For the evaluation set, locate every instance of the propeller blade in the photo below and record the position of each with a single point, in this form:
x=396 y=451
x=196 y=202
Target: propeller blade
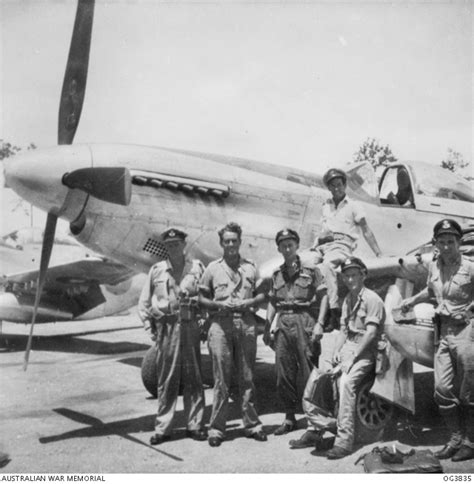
x=112 y=185
x=75 y=77
x=46 y=249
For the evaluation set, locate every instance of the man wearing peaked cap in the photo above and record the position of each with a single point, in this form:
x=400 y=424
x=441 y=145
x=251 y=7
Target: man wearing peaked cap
x=341 y=221
x=447 y=226
x=451 y=283
x=297 y=289
x=334 y=173
x=287 y=234
x=353 y=262
x=362 y=320
x=167 y=307
x=173 y=234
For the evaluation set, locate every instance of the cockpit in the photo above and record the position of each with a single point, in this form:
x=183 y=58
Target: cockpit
x=414 y=185
x=401 y=184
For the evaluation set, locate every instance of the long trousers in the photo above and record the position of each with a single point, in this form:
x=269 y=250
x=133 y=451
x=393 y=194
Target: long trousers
x=454 y=381
x=317 y=406
x=330 y=256
x=293 y=356
x=232 y=344
x=178 y=362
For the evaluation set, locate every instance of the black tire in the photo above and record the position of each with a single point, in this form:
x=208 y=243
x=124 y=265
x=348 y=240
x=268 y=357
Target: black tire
x=373 y=415
x=149 y=376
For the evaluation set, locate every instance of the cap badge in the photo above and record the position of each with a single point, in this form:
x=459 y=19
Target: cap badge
x=172 y=233
x=446 y=224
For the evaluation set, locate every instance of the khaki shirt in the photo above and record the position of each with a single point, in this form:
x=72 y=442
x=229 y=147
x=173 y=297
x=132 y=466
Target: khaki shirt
x=453 y=294
x=368 y=309
x=221 y=283
x=344 y=219
x=160 y=294
x=300 y=289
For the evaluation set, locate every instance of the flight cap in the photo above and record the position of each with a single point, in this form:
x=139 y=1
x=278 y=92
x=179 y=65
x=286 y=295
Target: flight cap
x=447 y=226
x=351 y=262
x=287 y=234
x=334 y=173
x=173 y=234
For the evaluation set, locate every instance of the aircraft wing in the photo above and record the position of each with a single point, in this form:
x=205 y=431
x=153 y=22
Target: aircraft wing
x=91 y=270
x=70 y=289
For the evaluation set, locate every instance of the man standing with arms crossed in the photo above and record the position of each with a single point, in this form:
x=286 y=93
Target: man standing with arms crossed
x=169 y=316
x=227 y=290
x=340 y=222
x=451 y=282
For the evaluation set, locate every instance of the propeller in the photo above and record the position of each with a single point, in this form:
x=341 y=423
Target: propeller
x=75 y=77
x=48 y=240
x=72 y=99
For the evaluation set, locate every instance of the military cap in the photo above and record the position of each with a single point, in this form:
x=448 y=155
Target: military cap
x=287 y=234
x=334 y=173
x=447 y=226
x=173 y=234
x=351 y=262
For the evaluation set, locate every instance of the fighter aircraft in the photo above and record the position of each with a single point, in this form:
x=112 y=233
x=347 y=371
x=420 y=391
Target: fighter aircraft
x=79 y=284
x=118 y=199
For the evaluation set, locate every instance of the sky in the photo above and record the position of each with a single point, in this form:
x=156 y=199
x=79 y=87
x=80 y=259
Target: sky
x=293 y=83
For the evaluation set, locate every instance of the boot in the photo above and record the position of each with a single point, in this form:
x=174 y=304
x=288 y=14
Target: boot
x=452 y=417
x=469 y=424
x=466 y=451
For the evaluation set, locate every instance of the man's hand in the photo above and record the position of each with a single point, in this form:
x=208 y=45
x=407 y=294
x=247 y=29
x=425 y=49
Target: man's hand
x=317 y=333
x=268 y=336
x=151 y=333
x=336 y=358
x=469 y=312
x=241 y=305
x=204 y=325
x=224 y=305
x=325 y=237
x=346 y=365
x=406 y=305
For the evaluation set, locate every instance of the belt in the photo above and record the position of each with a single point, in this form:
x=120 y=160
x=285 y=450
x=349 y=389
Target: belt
x=234 y=314
x=169 y=317
x=292 y=309
x=341 y=236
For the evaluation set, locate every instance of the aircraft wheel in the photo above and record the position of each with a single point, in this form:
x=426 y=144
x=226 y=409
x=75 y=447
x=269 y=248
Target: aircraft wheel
x=373 y=415
x=149 y=376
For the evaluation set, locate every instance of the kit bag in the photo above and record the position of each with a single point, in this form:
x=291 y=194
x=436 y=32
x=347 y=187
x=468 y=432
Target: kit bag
x=392 y=461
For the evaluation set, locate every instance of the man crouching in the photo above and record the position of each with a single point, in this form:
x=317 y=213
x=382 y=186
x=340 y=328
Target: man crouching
x=362 y=319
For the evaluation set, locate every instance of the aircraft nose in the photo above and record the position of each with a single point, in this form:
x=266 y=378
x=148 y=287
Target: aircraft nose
x=36 y=175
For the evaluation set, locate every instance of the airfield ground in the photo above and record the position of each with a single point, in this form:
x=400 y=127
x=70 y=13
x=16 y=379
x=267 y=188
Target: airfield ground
x=81 y=408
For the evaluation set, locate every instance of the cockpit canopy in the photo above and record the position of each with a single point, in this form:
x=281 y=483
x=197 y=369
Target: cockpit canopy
x=414 y=185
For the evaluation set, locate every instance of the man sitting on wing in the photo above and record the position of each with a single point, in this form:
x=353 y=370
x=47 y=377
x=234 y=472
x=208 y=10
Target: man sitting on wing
x=340 y=222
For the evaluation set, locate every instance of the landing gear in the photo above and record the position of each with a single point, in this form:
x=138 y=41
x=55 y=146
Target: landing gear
x=373 y=414
x=149 y=375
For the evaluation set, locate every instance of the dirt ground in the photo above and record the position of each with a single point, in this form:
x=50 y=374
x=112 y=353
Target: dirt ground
x=81 y=408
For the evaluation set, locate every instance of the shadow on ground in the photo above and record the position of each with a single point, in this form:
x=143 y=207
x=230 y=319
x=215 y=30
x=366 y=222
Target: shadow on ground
x=73 y=343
